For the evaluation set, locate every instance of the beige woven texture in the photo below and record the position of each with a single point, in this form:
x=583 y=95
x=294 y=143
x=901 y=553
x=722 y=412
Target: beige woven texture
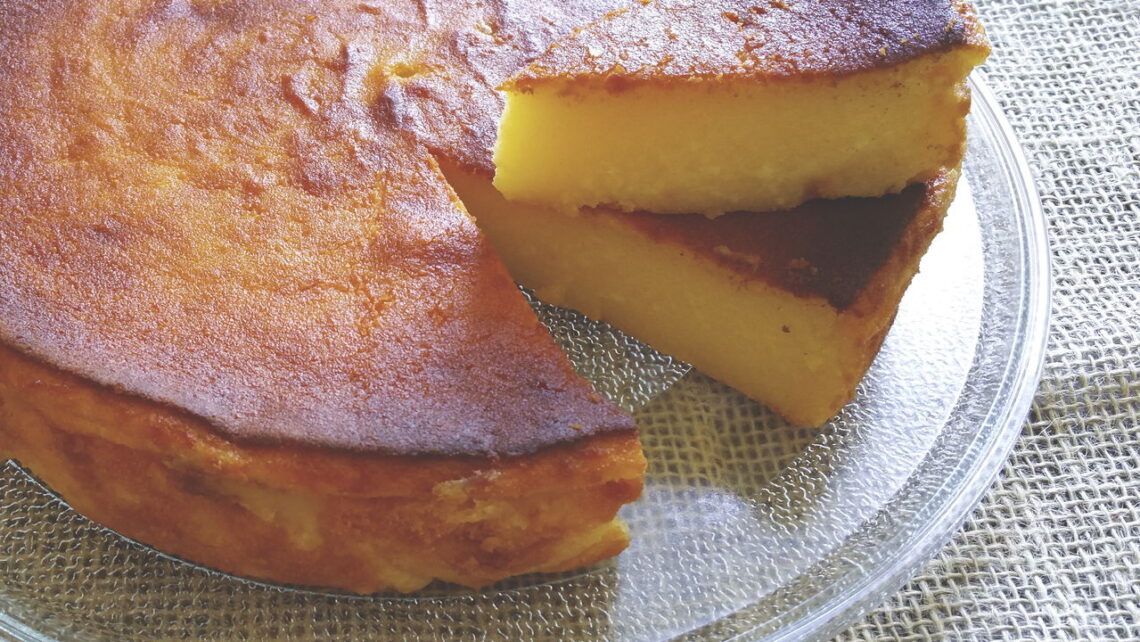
x=1053 y=553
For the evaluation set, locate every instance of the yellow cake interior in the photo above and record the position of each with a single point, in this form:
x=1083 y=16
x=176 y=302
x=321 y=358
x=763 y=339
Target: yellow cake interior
x=714 y=146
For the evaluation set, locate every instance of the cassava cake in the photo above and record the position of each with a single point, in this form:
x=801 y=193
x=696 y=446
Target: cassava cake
x=246 y=319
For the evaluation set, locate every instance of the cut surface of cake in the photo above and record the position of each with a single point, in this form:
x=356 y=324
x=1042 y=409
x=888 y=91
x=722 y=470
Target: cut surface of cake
x=788 y=307
x=682 y=107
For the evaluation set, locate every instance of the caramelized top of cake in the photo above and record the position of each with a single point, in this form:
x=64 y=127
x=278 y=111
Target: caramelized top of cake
x=682 y=40
x=231 y=207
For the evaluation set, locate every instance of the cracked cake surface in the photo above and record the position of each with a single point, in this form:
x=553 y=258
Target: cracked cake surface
x=234 y=208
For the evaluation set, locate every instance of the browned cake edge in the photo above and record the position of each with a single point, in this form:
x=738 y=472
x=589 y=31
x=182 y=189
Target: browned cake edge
x=659 y=41
x=831 y=249
x=357 y=522
x=868 y=306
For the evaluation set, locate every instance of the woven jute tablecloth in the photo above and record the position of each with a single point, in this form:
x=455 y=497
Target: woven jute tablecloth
x=1053 y=552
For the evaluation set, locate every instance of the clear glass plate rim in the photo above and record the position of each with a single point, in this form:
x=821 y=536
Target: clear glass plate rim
x=839 y=611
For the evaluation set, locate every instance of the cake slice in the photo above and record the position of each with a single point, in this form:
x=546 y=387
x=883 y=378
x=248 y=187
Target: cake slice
x=678 y=107
x=789 y=308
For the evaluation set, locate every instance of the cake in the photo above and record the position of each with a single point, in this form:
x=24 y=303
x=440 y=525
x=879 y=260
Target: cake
x=787 y=307
x=246 y=319
x=712 y=107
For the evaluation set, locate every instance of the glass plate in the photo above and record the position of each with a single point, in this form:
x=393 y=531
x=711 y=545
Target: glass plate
x=748 y=528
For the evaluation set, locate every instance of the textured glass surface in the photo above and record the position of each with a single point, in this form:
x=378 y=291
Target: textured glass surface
x=748 y=527
x=625 y=370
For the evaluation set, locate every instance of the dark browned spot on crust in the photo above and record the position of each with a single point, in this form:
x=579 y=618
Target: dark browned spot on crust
x=667 y=40
x=824 y=248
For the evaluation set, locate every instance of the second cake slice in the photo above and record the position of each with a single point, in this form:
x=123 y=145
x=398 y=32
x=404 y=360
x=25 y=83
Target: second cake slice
x=674 y=107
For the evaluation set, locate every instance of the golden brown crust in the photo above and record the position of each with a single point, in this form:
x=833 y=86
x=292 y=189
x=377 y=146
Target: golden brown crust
x=225 y=218
x=363 y=522
x=204 y=205
x=681 y=40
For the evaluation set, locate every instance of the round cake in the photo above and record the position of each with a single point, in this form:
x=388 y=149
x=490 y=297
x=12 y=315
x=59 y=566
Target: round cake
x=245 y=318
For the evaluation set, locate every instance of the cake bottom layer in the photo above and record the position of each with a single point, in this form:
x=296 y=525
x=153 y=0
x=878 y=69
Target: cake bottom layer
x=790 y=308
x=356 y=522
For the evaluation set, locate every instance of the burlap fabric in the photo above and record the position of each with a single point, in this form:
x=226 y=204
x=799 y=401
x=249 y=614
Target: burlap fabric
x=1053 y=553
